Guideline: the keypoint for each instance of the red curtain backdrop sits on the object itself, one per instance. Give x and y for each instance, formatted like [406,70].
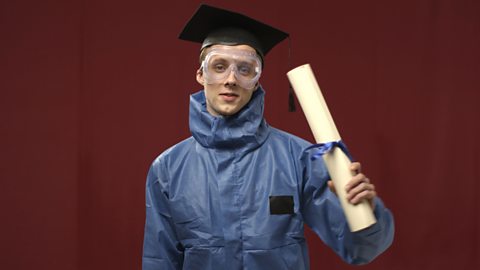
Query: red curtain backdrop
[93,91]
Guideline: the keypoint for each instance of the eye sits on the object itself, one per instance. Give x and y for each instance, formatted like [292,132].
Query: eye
[219,67]
[245,70]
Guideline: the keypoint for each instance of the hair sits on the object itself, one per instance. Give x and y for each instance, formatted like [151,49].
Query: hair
[203,54]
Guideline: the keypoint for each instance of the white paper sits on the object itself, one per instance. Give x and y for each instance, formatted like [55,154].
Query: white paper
[321,123]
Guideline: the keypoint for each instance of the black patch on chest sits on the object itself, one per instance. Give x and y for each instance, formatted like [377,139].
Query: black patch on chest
[281,205]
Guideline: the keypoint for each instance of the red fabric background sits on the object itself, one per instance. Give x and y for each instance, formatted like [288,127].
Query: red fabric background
[93,91]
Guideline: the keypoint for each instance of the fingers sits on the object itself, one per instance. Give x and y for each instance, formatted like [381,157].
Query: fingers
[359,194]
[359,189]
[357,180]
[331,187]
[356,167]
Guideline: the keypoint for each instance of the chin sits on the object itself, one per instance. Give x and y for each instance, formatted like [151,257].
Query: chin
[228,112]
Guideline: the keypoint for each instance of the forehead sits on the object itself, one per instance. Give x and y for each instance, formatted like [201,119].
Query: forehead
[233,48]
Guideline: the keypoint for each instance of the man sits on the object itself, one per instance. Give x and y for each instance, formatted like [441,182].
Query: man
[237,193]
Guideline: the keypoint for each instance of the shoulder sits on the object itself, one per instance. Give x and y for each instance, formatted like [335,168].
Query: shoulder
[285,137]
[284,143]
[297,147]
[173,152]
[159,168]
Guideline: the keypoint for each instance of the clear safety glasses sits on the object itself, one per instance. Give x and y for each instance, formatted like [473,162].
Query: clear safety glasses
[220,63]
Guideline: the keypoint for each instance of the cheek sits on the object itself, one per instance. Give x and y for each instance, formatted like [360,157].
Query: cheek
[249,95]
[210,93]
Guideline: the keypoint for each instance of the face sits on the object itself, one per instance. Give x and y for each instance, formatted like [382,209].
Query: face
[227,95]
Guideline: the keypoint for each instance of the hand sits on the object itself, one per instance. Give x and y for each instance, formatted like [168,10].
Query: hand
[358,188]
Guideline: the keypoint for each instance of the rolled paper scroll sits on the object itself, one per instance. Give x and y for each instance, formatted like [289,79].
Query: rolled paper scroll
[359,216]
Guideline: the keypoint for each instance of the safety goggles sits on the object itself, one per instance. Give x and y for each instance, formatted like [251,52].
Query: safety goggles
[220,63]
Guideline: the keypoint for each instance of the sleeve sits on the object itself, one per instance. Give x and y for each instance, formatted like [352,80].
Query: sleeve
[161,248]
[322,212]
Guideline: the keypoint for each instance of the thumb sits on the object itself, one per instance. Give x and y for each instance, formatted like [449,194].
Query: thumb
[331,187]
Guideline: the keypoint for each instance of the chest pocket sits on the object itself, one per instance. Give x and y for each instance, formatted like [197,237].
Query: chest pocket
[281,205]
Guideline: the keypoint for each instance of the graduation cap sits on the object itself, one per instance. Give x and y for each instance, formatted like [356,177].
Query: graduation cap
[211,25]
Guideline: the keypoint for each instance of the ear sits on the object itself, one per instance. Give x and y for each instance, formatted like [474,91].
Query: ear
[200,78]
[257,84]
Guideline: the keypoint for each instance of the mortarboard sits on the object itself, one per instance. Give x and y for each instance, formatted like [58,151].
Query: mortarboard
[210,25]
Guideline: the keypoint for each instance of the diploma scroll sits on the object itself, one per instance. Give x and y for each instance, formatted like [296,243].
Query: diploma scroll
[321,123]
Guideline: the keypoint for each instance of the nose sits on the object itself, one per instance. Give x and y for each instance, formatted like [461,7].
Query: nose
[231,79]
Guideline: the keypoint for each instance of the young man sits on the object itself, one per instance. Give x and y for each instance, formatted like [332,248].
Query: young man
[237,193]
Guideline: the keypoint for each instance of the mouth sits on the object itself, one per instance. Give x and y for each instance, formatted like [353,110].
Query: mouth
[229,96]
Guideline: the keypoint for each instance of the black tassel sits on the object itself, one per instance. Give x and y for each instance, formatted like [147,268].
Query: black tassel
[291,100]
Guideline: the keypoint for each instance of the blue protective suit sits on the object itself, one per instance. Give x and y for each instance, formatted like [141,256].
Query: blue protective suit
[236,195]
